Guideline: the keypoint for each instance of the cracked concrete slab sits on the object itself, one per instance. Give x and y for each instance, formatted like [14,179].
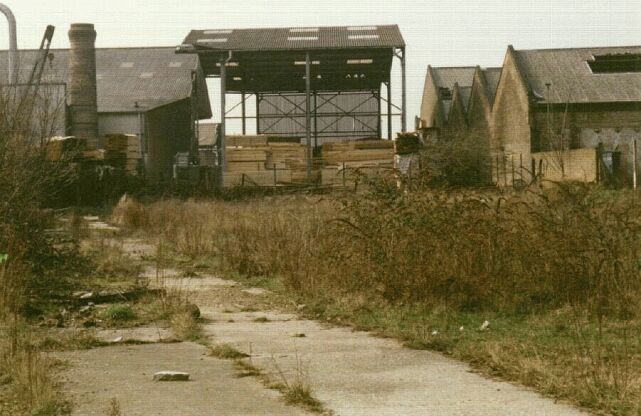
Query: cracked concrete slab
[125,373]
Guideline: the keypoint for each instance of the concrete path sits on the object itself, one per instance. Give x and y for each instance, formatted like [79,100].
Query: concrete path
[125,373]
[354,373]
[351,372]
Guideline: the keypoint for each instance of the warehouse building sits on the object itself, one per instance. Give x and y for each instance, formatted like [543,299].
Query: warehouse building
[545,112]
[148,92]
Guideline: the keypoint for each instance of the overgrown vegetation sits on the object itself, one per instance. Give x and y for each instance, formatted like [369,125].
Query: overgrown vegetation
[555,272]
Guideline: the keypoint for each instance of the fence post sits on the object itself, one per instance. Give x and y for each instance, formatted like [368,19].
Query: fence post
[634,163]
[512,163]
[521,167]
[497,170]
[275,175]
[343,174]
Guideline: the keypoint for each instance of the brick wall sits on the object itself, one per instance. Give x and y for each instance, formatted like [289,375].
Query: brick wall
[569,165]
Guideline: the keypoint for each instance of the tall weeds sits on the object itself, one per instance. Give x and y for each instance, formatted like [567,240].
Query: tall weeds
[570,248]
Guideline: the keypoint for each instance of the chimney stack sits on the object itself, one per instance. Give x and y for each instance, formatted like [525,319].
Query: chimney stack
[83,102]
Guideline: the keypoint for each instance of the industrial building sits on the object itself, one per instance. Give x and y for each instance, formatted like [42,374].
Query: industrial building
[319,84]
[149,92]
[558,114]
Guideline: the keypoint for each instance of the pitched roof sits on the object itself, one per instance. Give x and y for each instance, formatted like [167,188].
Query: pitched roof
[151,77]
[446,77]
[465,96]
[492,76]
[571,79]
[296,38]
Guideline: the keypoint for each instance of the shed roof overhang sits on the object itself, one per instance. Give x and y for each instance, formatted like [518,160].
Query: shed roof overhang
[268,61]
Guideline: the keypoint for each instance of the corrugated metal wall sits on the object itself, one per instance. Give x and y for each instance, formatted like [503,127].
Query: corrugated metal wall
[345,116]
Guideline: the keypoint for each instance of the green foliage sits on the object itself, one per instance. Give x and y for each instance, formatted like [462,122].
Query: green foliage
[119,312]
[407,143]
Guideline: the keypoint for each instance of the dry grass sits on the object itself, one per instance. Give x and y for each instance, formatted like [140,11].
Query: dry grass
[226,352]
[413,263]
[30,373]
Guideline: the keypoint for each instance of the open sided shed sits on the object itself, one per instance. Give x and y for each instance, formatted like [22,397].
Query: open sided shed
[308,81]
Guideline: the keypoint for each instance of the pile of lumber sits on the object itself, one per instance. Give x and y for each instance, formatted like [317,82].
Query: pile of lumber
[361,153]
[345,163]
[253,160]
[123,151]
[59,147]
[245,159]
[246,141]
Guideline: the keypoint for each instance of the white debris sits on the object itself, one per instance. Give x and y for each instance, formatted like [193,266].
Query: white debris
[171,376]
[435,332]
[485,325]
[461,329]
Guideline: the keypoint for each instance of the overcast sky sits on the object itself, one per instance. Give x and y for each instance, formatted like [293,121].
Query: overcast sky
[440,33]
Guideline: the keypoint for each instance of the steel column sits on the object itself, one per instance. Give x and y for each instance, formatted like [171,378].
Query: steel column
[404,93]
[223,93]
[257,112]
[389,109]
[242,104]
[308,118]
[315,120]
[379,127]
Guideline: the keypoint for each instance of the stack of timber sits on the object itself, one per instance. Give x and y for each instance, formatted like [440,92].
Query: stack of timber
[123,151]
[254,161]
[343,162]
[58,148]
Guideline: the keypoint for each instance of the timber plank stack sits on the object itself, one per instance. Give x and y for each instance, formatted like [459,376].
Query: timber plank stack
[123,151]
[344,161]
[254,161]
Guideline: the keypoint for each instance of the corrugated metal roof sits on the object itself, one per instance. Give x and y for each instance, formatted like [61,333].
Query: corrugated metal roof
[151,77]
[446,77]
[492,76]
[297,38]
[571,79]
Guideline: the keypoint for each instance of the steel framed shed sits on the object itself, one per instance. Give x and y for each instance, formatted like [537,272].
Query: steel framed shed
[307,78]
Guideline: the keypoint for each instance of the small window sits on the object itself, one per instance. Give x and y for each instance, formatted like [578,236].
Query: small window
[445,93]
[147,75]
[228,64]
[615,63]
[361,28]
[303,62]
[175,64]
[126,64]
[358,37]
[214,40]
[217,32]
[238,78]
[303,30]
[360,61]
[302,38]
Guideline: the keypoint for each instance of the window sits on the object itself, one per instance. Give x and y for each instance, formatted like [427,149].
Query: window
[238,78]
[362,28]
[217,32]
[302,38]
[304,30]
[358,37]
[147,75]
[127,65]
[359,61]
[615,63]
[445,93]
[303,62]
[228,64]
[214,40]
[175,64]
